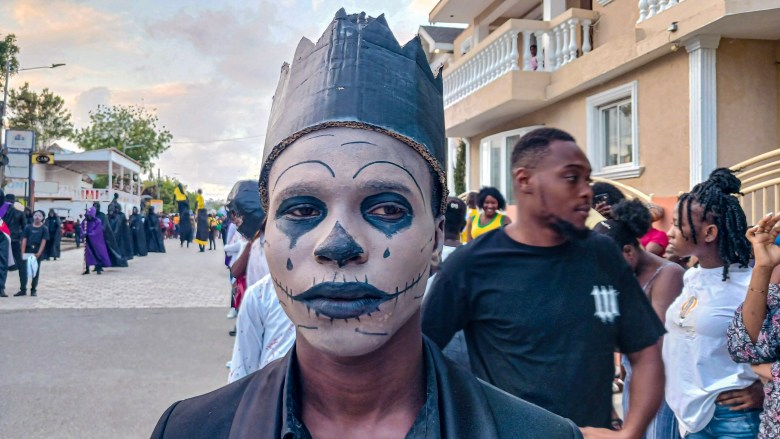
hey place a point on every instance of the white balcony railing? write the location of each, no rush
(558, 42)
(651, 8)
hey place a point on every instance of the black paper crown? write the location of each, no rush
(357, 75)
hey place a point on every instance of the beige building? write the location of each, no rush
(657, 92)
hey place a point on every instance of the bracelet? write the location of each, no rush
(757, 290)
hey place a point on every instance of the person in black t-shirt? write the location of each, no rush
(544, 303)
(33, 242)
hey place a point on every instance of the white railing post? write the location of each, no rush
(653, 8)
(514, 55)
(573, 38)
(541, 64)
(565, 39)
(586, 44)
(642, 11)
(558, 47)
(552, 50)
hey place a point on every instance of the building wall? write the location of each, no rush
(747, 75)
(617, 19)
(662, 100)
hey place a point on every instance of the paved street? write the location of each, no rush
(103, 356)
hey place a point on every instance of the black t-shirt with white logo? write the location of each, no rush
(34, 236)
(542, 323)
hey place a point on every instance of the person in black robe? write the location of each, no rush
(154, 238)
(54, 225)
(114, 252)
(121, 230)
(138, 234)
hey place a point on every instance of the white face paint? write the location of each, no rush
(351, 237)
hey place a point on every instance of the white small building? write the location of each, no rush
(66, 187)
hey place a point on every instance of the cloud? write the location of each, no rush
(88, 101)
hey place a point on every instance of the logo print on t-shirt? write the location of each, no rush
(606, 303)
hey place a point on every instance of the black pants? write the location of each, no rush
(4, 247)
(34, 284)
(78, 241)
(21, 264)
(212, 244)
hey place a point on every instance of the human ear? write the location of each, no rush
(438, 243)
(711, 233)
(522, 180)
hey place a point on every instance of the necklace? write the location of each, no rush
(687, 307)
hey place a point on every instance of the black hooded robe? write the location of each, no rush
(114, 253)
(122, 233)
(52, 249)
(154, 238)
(138, 234)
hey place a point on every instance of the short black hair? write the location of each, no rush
(614, 195)
(534, 146)
(490, 191)
(454, 217)
(721, 207)
(630, 221)
(471, 200)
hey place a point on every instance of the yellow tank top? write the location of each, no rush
(470, 214)
(479, 229)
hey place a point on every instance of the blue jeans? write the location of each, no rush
(727, 424)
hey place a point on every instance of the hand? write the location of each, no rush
(764, 371)
(762, 236)
(604, 209)
(751, 397)
(603, 433)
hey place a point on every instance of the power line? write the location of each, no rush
(220, 140)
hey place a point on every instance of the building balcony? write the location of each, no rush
(508, 72)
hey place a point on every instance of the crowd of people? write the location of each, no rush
(340, 329)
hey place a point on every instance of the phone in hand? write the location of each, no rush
(600, 198)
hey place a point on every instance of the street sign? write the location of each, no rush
(19, 141)
(43, 158)
(18, 166)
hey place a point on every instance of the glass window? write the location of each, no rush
(495, 164)
(617, 133)
(510, 144)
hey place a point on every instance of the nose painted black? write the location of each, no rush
(339, 246)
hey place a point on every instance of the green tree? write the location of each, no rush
(8, 51)
(44, 113)
(460, 169)
(131, 129)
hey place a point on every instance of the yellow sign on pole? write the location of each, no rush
(43, 158)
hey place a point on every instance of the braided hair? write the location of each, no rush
(715, 196)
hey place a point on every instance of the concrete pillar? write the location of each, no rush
(703, 106)
(552, 9)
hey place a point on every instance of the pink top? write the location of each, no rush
(657, 236)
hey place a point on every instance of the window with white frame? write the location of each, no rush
(613, 132)
(496, 160)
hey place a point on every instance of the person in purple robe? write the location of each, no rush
(95, 251)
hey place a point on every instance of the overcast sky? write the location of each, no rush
(208, 68)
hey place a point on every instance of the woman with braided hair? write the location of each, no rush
(661, 281)
(710, 395)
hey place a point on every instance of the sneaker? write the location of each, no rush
(33, 293)
(232, 313)
(20, 293)
(2, 294)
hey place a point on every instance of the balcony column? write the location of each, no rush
(703, 106)
(586, 46)
(642, 11)
(565, 55)
(558, 47)
(552, 52)
(573, 38)
(514, 55)
(541, 63)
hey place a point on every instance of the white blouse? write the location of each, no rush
(697, 364)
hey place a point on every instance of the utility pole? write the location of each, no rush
(2, 116)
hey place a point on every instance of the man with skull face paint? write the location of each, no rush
(353, 185)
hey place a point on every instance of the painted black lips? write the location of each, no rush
(343, 300)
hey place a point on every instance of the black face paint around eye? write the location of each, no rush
(339, 247)
(297, 216)
(347, 300)
(387, 253)
(389, 224)
(289, 264)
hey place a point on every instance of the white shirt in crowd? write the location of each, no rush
(698, 365)
(256, 267)
(263, 331)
